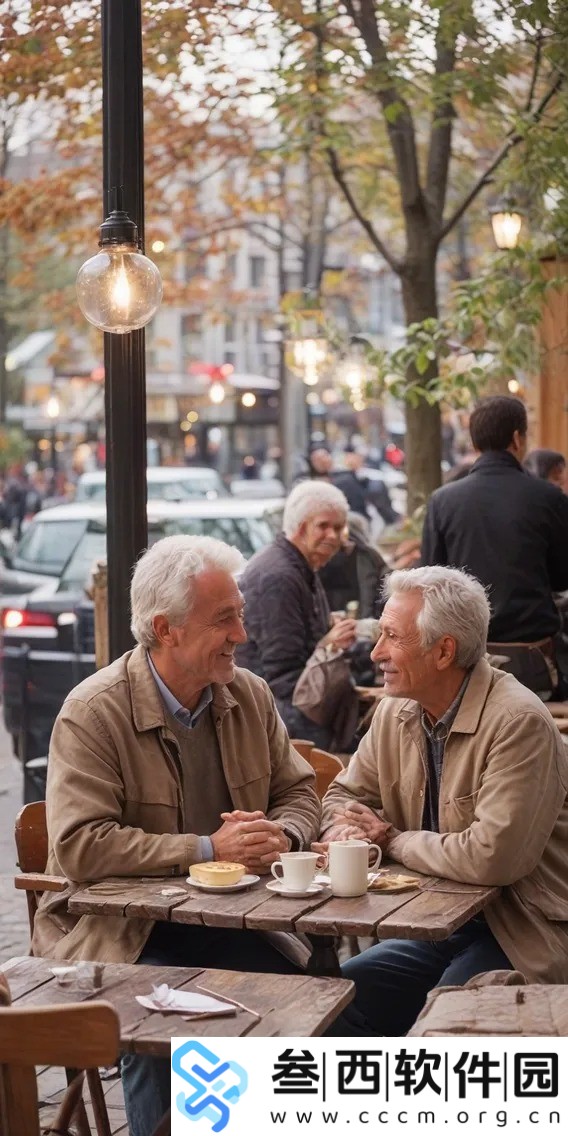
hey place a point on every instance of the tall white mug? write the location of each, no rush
(349, 865)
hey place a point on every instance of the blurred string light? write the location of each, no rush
(514, 386)
(248, 399)
(217, 393)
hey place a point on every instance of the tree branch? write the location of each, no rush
(440, 149)
(400, 124)
(369, 228)
(513, 140)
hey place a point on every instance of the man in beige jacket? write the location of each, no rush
(463, 775)
(170, 756)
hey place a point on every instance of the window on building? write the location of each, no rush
(257, 269)
(231, 265)
(230, 357)
(190, 333)
(230, 330)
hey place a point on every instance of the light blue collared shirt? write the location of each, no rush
(187, 718)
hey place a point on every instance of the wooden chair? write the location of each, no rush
(326, 767)
(74, 1036)
(303, 747)
(31, 845)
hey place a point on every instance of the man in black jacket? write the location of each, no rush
(287, 614)
(511, 531)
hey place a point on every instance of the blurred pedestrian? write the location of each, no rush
(360, 491)
(549, 465)
(354, 574)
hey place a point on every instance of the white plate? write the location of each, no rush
(292, 893)
(244, 882)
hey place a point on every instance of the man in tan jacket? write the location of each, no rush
(463, 775)
(170, 756)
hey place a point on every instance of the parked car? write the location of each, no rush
(48, 635)
(165, 483)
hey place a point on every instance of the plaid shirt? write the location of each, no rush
(436, 737)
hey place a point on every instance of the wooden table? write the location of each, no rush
(432, 911)
(292, 1006)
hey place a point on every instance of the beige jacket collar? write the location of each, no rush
(148, 711)
(472, 704)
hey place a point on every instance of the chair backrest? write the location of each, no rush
(31, 837)
(303, 747)
(73, 1036)
(31, 846)
(326, 767)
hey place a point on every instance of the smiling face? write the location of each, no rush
(201, 650)
(409, 669)
(319, 536)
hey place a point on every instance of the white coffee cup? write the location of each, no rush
(349, 865)
(296, 870)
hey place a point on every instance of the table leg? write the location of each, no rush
(323, 959)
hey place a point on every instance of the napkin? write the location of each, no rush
(165, 998)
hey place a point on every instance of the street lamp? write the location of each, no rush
(506, 222)
(123, 293)
(308, 352)
(119, 289)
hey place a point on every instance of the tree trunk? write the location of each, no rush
(423, 437)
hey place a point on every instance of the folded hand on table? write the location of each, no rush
(375, 829)
(249, 838)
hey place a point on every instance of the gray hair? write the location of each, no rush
(453, 603)
(162, 583)
(309, 498)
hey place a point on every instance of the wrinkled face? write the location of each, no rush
(203, 647)
(410, 671)
(320, 536)
(557, 476)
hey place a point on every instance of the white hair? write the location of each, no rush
(453, 603)
(309, 498)
(162, 583)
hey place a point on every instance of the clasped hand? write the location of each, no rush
(250, 839)
(357, 822)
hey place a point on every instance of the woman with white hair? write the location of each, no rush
(287, 614)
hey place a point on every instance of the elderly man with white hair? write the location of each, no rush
(287, 615)
(462, 775)
(169, 757)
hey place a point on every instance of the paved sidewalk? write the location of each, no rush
(14, 929)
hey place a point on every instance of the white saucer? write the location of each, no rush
(293, 893)
(244, 882)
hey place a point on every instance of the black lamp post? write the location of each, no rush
(119, 290)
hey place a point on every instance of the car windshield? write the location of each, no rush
(248, 534)
(47, 545)
(202, 483)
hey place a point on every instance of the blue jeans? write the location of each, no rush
(146, 1080)
(393, 978)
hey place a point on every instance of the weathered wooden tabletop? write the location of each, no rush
(433, 910)
(292, 1006)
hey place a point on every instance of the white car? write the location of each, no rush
(165, 483)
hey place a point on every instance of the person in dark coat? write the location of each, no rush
(550, 465)
(355, 572)
(359, 490)
(510, 530)
(286, 613)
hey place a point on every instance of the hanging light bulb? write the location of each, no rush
(119, 289)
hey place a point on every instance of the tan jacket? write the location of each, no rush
(503, 809)
(114, 797)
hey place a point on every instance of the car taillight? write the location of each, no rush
(13, 618)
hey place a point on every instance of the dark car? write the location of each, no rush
(48, 635)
